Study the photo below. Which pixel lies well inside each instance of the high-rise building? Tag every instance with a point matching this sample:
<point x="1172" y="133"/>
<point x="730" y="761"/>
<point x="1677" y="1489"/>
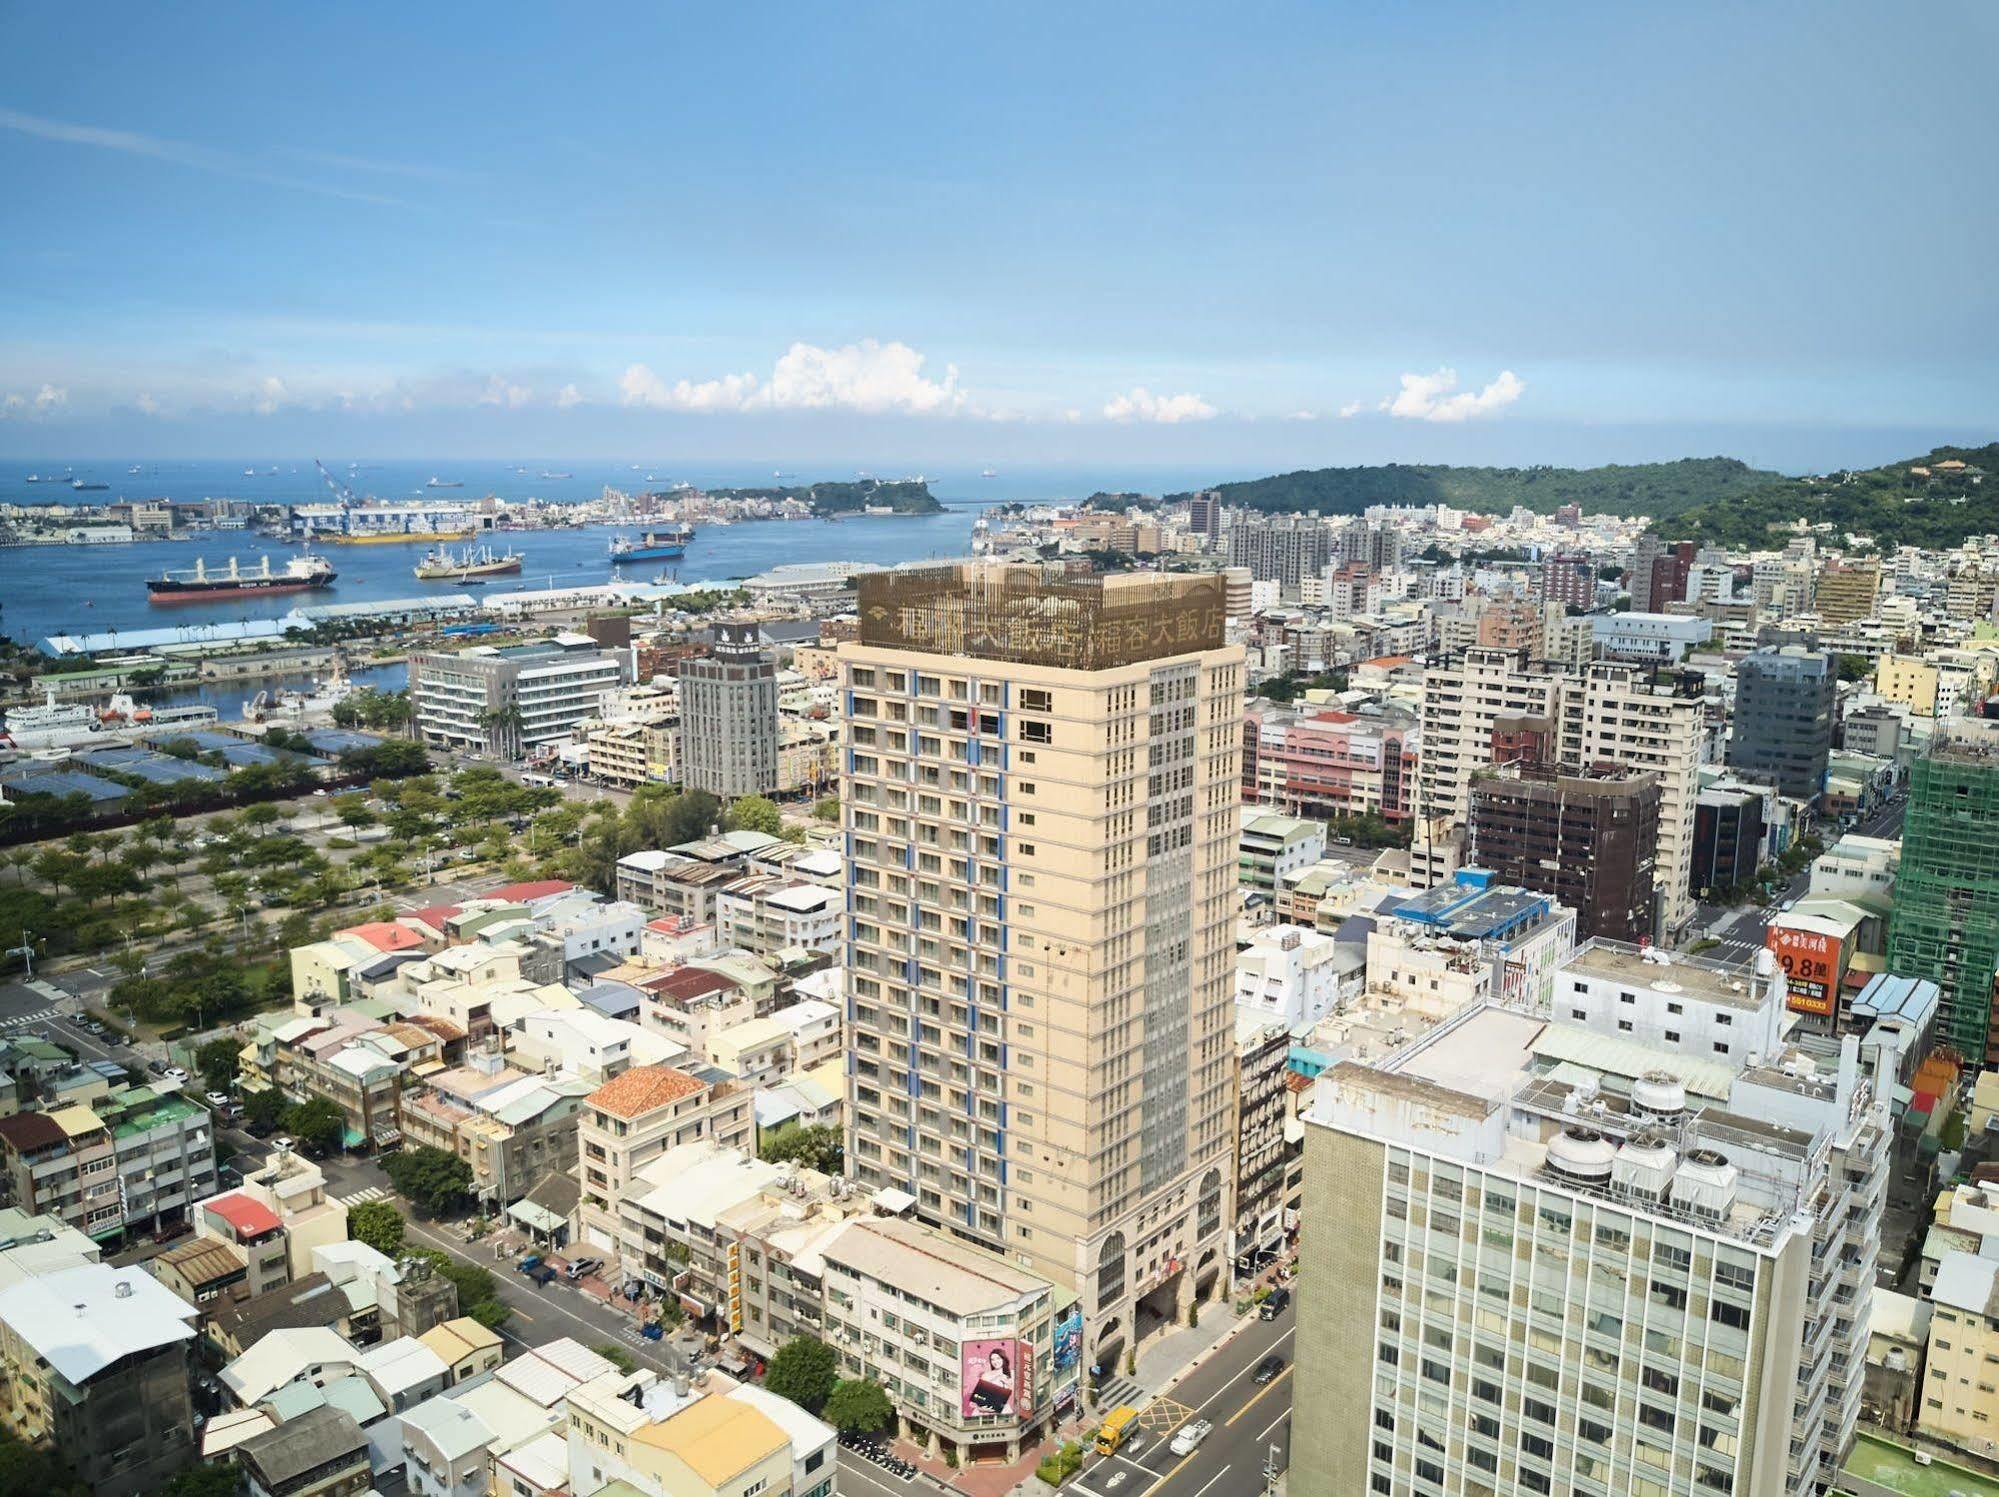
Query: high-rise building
<point x="1846" y="592"/>
<point x="1376" y="547"/>
<point x="1041" y="808"/>
<point x="1569" y="581"/>
<point x="728" y="715"/>
<point x="1659" y="571"/>
<point x="1204" y="514"/>
<point x="509" y="701"/>
<point x="1728" y="838"/>
<point x="1945" y="924"/>
<point x="1590" y="840"/>
<point x="1786" y="704"/>
<point x="1609" y="714"/>
<point x="1284" y="549"/>
<point x="1621" y="1243"/>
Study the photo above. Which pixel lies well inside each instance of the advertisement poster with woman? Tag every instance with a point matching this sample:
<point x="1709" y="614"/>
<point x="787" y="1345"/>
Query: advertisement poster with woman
<point x="998" y="1378"/>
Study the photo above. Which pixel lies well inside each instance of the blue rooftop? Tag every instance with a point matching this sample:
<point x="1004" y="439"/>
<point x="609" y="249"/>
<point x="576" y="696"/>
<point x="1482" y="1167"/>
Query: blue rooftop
<point x="1911" y="999"/>
<point x="1470" y="911"/>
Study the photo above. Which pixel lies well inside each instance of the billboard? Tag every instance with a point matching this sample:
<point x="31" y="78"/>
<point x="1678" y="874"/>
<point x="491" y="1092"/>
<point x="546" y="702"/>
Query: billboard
<point x="997" y="1378"/>
<point x="1069" y="1338"/>
<point x="1811" y="965"/>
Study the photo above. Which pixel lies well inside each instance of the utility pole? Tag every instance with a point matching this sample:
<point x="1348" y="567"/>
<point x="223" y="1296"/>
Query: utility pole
<point x="25" y="951"/>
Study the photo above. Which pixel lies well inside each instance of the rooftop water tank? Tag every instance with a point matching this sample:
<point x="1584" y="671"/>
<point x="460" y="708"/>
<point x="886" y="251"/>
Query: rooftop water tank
<point x="1705" y="1183"/>
<point x="1659" y="1094"/>
<point x="1582" y="1154"/>
<point x="1644" y="1167"/>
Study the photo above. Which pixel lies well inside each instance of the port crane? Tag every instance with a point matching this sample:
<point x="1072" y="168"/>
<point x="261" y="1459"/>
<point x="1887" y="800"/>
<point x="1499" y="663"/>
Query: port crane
<point x="340" y="490"/>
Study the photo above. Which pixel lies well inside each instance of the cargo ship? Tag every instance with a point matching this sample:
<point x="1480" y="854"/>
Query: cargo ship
<point x="393" y="537"/>
<point x="669" y="544"/>
<point x="300" y="574"/>
<point x="439" y="564"/>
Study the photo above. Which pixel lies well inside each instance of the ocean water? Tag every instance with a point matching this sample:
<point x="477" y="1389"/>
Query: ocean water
<point x="46" y="590"/>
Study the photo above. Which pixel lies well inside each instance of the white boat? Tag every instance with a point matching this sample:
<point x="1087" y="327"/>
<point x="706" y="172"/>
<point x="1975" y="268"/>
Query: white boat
<point x="50" y="724"/>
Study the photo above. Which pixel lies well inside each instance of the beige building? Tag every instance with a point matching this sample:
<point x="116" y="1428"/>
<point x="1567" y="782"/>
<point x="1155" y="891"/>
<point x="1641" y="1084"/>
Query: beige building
<point x="1960" y="1402"/>
<point x="631" y="1120"/>
<point x="1042" y="805"/>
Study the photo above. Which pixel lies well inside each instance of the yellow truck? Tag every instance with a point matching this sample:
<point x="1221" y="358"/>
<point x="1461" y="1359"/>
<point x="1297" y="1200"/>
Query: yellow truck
<point x="1120" y="1423"/>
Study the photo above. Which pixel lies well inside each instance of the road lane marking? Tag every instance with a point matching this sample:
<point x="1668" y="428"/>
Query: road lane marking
<point x="1270" y="1389"/>
<point x="1212" y="1480"/>
<point x="1273" y="1424"/>
<point x="522" y="1313"/>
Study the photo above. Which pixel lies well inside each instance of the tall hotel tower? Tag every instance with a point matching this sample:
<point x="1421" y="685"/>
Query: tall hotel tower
<point x="1041" y="799"/>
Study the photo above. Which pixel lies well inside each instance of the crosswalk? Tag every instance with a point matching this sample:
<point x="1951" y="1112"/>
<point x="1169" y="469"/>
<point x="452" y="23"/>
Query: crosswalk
<point x="1113" y="1392"/>
<point x="19" y="1021"/>
<point x="362" y="1197"/>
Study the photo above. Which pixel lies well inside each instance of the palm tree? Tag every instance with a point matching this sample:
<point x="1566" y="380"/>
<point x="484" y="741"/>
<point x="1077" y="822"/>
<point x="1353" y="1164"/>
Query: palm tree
<point x="503" y="727"/>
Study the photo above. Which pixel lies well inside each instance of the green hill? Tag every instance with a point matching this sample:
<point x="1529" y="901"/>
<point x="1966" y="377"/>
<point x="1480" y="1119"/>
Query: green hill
<point x="904" y="496"/>
<point x="1659" y="489"/>
<point x="1896" y="504"/>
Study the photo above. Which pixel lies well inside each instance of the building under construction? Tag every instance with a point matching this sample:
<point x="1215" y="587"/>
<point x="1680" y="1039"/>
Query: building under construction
<point x="1945" y="926"/>
<point x="1590" y="839"/>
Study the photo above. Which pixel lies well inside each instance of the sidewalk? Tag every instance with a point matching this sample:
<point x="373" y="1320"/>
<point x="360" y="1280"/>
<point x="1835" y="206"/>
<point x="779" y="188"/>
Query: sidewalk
<point x="1170" y="1357"/>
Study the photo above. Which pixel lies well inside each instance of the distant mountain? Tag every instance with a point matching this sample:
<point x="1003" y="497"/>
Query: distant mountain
<point x="904" y="496"/>
<point x="1933" y="501"/>
<point x="1658" y="489"/>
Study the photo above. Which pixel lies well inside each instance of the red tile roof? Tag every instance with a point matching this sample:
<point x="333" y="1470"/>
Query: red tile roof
<point x="522" y="893"/>
<point x="435" y="915"/>
<point x="385" y="935"/>
<point x="644" y="1089"/>
<point x="248" y="1216"/>
<point x="687" y="983"/>
<point x="28" y="1131"/>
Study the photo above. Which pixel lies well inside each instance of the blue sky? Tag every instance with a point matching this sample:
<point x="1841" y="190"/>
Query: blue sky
<point x="1257" y="236"/>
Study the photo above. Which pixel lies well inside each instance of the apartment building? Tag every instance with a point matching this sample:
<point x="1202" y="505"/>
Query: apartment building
<point x="638" y="1435"/>
<point x="1263" y="1053"/>
<point x="513" y="701"/>
<point x="95" y="1363"/>
<point x="359" y="1065"/>
<point x="1274" y="846"/>
<point x="728" y="715"/>
<point x="1959" y="1403"/>
<point x="961" y="1339"/>
<point x="1847" y="592"/>
<point x="513" y="1129"/>
<point x="1041" y="807"/>
<point x="631" y="1120"/>
<point x="132" y="1160"/>
<point x="1597" y="1251"/>
<point x="1591" y="840"/>
<point x="764" y="915"/>
<point x="1288" y="975"/>
<point x="1323" y="763"/>
<point x="1284" y="549"/>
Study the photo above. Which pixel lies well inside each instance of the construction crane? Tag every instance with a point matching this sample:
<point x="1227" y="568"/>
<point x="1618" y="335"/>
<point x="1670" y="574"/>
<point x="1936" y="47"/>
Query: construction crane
<point x="340" y="490"/>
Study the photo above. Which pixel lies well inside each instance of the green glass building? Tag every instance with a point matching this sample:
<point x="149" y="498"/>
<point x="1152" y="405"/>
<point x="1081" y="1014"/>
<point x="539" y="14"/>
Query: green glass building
<point x="1946" y="921"/>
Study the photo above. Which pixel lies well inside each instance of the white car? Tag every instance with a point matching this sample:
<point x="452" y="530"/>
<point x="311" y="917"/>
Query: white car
<point x="1190" y="1435"/>
<point x="175" y="1073"/>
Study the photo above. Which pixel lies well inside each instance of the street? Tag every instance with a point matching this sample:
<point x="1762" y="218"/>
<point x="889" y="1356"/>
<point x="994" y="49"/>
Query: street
<point x="1741" y="937"/>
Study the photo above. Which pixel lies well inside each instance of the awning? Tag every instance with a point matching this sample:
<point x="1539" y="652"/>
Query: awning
<point x="539" y="1218"/>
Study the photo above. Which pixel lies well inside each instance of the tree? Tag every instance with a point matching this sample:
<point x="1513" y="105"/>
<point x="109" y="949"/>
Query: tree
<point x="378" y="1224"/>
<point x="817" y="1148"/>
<point x="217" y="1061"/>
<point x="802" y="1371"/>
<point x="858" y="1404"/>
<point x="754" y="813"/>
<point x="28" y="1471"/>
<point x="618" y="1357"/>
<point x="316" y="1125"/>
<point x="435" y="1180"/>
<point x="262" y="1109"/>
<point x="476" y="1295"/>
<point x="221" y="1479"/>
<point x="826" y="808"/>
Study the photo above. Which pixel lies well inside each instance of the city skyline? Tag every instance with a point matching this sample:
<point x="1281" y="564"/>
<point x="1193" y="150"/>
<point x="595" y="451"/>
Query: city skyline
<point x="1303" y="238"/>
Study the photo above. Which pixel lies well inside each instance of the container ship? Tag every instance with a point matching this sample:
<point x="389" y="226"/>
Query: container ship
<point x="300" y="574"/>
<point x="669" y="544"/>
<point x="438" y="564"/>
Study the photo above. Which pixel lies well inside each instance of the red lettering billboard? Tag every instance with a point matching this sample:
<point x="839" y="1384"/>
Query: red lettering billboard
<point x="1810" y="963"/>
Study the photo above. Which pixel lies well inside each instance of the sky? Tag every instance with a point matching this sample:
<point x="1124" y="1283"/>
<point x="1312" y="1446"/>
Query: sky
<point x="1252" y="236"/>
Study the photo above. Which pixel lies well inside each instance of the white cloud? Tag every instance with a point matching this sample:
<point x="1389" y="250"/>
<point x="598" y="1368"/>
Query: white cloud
<point x="870" y="377"/>
<point x="49" y="398"/>
<point x="1351" y="409"/>
<point x="12" y="404"/>
<point x="1142" y="405"/>
<point x="499" y="392"/>
<point x="147" y="404"/>
<point x="270" y="395"/>
<point x="45" y="401"/>
<point x="568" y="396"/>
<point x="866" y="376"/>
<point x="1429" y="397"/>
<point x="1303" y="416"/>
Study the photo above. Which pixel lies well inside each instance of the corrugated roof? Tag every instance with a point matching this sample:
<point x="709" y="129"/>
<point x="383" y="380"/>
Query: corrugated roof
<point x="718" y="1438"/>
<point x="1622" y="1057"/>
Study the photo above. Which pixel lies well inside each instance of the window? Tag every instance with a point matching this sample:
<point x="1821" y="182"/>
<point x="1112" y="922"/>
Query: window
<point x="1036" y="732"/>
<point x="1036" y="701"/>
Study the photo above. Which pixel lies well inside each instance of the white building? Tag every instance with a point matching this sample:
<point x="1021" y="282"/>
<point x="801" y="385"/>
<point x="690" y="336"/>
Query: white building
<point x="1288" y="976"/>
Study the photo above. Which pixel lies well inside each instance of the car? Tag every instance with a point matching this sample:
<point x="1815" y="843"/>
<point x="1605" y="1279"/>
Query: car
<point x="1274" y="1303"/>
<point x="1268" y="1368"/>
<point x="581" y="1266"/>
<point x="282" y="1142"/>
<point x="175" y="1073"/>
<point x="157" y="1067"/>
<point x="217" y="1099"/>
<point x="1189" y="1437"/>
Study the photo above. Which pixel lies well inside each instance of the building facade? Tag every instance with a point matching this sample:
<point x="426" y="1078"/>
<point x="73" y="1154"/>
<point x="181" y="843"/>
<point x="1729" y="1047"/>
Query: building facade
<point x="1041" y="807"/>
<point x="1590" y="840"/>
<point x="512" y="701"/>
<point x="728" y="715"/>
<point x="1785" y="709"/>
